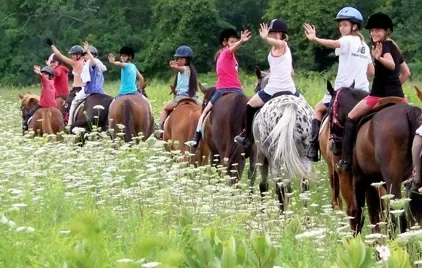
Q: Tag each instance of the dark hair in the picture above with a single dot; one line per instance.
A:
(193, 79)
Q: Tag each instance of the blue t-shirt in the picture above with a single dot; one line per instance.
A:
(182, 87)
(128, 79)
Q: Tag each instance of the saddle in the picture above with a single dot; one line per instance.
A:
(381, 104)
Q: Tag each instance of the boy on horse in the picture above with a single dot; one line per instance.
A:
(61, 79)
(92, 77)
(185, 83)
(280, 80)
(47, 97)
(355, 64)
(390, 73)
(129, 72)
(76, 61)
(227, 72)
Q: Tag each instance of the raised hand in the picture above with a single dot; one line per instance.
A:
(86, 46)
(173, 63)
(310, 31)
(245, 35)
(263, 32)
(37, 69)
(377, 51)
(49, 42)
(111, 58)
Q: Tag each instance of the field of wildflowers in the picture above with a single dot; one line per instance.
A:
(63, 205)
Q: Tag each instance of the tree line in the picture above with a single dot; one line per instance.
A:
(155, 28)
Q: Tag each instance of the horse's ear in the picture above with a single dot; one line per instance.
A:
(418, 93)
(258, 72)
(202, 88)
(20, 96)
(172, 87)
(330, 88)
(353, 84)
(145, 84)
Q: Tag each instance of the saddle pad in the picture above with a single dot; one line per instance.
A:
(78, 108)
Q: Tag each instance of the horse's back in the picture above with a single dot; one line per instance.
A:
(47, 120)
(182, 122)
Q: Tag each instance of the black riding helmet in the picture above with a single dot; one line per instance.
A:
(48, 70)
(127, 51)
(379, 20)
(278, 26)
(226, 34)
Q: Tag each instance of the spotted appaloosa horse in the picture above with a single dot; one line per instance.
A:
(221, 125)
(282, 133)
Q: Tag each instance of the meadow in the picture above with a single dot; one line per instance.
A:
(62, 205)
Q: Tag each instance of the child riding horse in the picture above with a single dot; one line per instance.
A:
(387, 81)
(185, 83)
(355, 64)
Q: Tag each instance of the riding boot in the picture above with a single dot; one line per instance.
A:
(346, 161)
(246, 137)
(313, 154)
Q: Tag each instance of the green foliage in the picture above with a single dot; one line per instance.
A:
(156, 28)
(354, 254)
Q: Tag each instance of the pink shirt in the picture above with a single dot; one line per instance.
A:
(227, 74)
(48, 92)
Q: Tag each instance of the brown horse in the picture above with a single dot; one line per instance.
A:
(180, 127)
(382, 152)
(330, 146)
(222, 124)
(44, 120)
(60, 101)
(134, 113)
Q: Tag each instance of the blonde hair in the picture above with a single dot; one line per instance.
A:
(388, 38)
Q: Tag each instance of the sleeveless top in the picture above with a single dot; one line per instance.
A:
(182, 86)
(280, 73)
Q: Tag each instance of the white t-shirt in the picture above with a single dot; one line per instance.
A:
(280, 73)
(354, 57)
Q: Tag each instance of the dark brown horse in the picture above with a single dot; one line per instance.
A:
(134, 113)
(221, 125)
(330, 142)
(382, 152)
(44, 120)
(180, 128)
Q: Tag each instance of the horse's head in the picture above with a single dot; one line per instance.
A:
(172, 90)
(141, 86)
(27, 102)
(208, 93)
(342, 102)
(262, 77)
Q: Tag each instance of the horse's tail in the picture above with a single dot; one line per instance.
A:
(237, 116)
(282, 138)
(128, 120)
(46, 122)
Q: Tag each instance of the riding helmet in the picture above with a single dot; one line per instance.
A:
(76, 50)
(127, 51)
(226, 34)
(48, 70)
(278, 26)
(379, 20)
(93, 50)
(351, 14)
(184, 52)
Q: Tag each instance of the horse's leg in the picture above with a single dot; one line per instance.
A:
(359, 191)
(263, 184)
(282, 185)
(252, 167)
(345, 182)
(374, 207)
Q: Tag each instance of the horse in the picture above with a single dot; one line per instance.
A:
(44, 120)
(134, 113)
(330, 142)
(60, 101)
(221, 125)
(382, 152)
(180, 128)
(281, 129)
